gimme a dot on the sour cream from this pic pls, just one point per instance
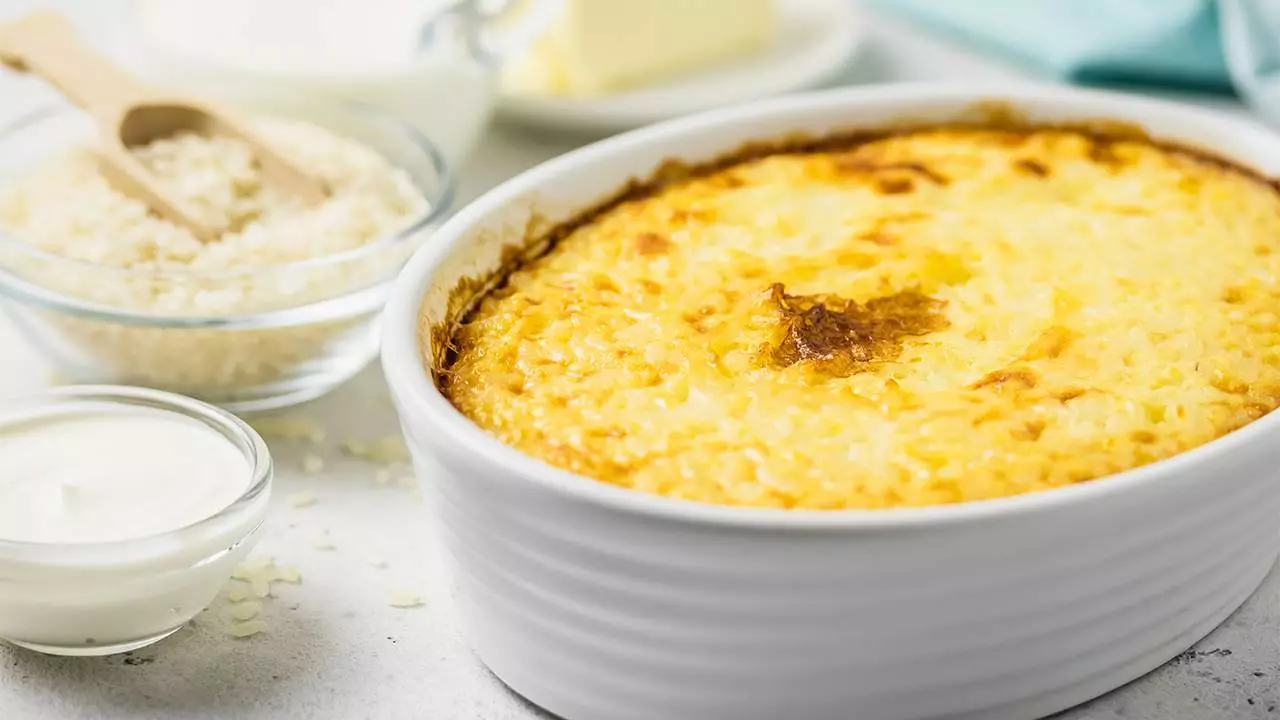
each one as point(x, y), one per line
point(122, 513)
point(113, 474)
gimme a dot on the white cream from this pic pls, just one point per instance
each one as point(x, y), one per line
point(100, 476)
point(353, 51)
point(122, 513)
point(348, 36)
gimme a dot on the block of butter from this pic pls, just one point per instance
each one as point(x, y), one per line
point(601, 46)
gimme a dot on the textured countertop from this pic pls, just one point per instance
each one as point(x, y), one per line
point(335, 648)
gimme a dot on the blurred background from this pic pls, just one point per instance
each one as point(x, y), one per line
point(1216, 53)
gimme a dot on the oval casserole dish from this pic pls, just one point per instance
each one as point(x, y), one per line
point(598, 602)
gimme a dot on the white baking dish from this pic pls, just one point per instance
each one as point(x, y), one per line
point(600, 603)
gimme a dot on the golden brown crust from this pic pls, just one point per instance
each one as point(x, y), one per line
point(991, 115)
point(840, 337)
point(917, 298)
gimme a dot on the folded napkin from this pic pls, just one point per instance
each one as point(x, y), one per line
point(1251, 43)
point(1168, 43)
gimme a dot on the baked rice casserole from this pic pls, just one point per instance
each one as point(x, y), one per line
point(909, 318)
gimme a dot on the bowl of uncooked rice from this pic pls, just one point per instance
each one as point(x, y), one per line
point(280, 308)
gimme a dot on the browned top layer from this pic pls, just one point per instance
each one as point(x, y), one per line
point(889, 319)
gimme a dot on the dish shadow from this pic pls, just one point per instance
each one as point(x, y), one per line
point(534, 711)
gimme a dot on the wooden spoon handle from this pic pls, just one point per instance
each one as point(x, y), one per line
point(45, 43)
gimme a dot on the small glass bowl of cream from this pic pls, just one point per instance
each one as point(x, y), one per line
point(123, 512)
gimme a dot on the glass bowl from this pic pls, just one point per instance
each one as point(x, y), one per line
point(108, 597)
point(300, 328)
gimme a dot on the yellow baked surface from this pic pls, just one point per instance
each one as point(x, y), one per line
point(932, 317)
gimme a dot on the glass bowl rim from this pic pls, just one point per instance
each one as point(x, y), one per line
point(233, 429)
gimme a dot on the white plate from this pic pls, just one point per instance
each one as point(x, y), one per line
point(816, 39)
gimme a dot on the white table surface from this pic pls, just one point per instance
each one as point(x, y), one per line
point(334, 648)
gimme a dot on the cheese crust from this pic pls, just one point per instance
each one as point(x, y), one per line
point(932, 316)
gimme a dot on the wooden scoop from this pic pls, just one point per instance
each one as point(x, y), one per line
point(130, 114)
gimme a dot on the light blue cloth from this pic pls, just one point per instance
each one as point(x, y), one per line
point(1251, 42)
point(1215, 45)
point(1212, 45)
point(1173, 43)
